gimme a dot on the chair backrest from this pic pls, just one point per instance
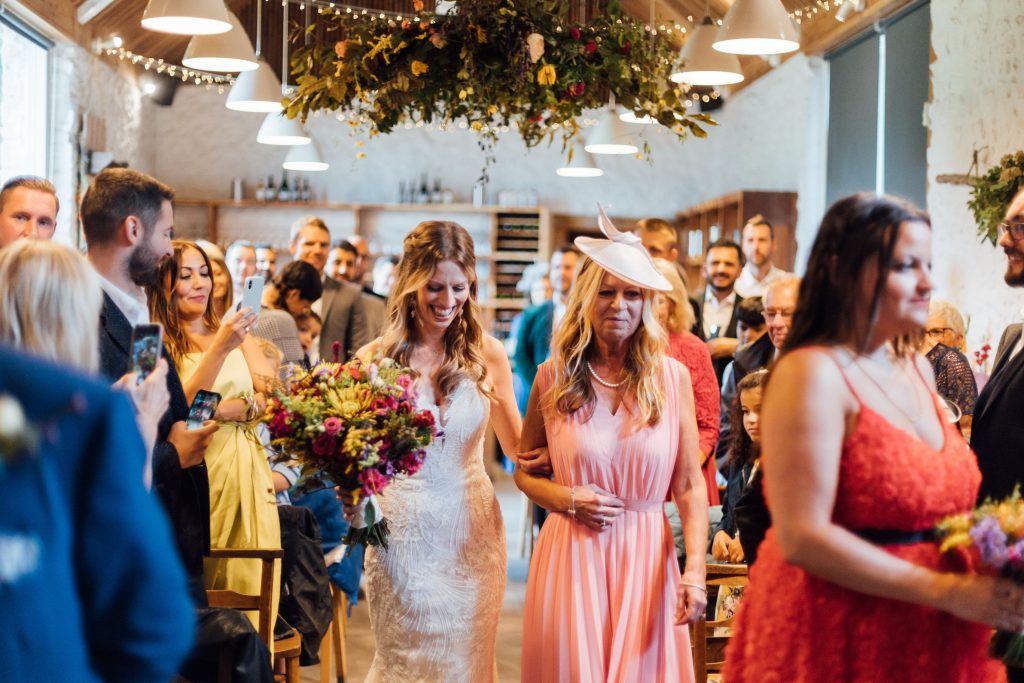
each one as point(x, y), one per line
point(241, 601)
point(703, 632)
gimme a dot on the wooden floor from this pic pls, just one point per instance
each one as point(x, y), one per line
point(359, 640)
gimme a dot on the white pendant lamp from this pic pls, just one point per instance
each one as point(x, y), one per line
point(704, 65)
point(757, 27)
point(611, 135)
point(582, 164)
point(186, 17)
point(225, 52)
point(304, 158)
point(627, 116)
point(278, 129)
point(257, 90)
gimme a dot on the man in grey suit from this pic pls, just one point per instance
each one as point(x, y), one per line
point(344, 265)
point(341, 307)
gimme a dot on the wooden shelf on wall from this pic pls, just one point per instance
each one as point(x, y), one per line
point(725, 216)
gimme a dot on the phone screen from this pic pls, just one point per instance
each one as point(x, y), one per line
point(147, 347)
point(203, 407)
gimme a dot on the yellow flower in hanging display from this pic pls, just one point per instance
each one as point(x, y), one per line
point(546, 75)
point(419, 68)
point(481, 36)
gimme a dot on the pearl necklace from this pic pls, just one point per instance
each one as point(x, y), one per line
point(610, 385)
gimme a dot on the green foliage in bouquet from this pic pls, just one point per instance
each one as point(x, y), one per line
point(494, 63)
point(992, 193)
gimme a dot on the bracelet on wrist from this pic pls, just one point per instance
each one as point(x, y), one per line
point(572, 502)
point(695, 585)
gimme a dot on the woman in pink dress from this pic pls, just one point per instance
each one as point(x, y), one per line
point(674, 313)
point(605, 600)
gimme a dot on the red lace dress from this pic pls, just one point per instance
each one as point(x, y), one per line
point(796, 628)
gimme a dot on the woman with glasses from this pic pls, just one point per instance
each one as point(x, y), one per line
point(954, 379)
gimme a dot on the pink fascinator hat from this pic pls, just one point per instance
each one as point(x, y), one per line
point(623, 255)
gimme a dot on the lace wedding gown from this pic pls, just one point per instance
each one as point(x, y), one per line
point(435, 594)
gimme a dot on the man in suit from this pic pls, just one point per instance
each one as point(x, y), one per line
point(343, 264)
point(341, 307)
point(716, 319)
point(28, 208)
point(997, 434)
point(92, 586)
point(128, 221)
point(779, 304)
point(758, 248)
point(533, 343)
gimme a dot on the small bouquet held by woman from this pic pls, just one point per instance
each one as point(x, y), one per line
point(994, 533)
point(357, 426)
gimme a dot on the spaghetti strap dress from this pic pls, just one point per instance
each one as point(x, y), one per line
point(793, 627)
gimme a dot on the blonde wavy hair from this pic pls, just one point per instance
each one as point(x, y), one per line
point(428, 244)
point(574, 342)
point(50, 301)
point(681, 318)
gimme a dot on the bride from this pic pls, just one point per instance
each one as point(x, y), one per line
point(435, 593)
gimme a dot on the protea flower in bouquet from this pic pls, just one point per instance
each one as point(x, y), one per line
point(356, 426)
point(993, 533)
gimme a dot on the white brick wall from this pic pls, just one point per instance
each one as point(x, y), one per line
point(977, 80)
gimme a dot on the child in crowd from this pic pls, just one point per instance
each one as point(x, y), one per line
point(309, 325)
point(743, 477)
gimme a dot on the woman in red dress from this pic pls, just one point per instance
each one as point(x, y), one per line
point(673, 310)
point(859, 465)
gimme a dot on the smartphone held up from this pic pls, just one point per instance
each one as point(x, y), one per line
point(147, 347)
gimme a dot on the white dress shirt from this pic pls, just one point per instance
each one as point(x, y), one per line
point(133, 304)
point(747, 284)
point(717, 313)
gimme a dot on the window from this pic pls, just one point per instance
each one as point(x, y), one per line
point(24, 110)
point(878, 86)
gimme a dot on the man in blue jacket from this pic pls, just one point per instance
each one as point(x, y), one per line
point(90, 581)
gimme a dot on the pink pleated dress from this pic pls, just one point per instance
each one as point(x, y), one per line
point(600, 605)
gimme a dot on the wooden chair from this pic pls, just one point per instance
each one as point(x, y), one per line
point(332, 647)
point(286, 650)
point(708, 648)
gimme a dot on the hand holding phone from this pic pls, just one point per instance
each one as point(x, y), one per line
point(204, 405)
point(147, 348)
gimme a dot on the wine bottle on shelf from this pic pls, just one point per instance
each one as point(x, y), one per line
point(435, 196)
point(423, 196)
point(261, 191)
point(270, 194)
point(306, 192)
point(401, 192)
point(284, 193)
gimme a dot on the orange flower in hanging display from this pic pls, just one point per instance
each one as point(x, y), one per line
point(546, 75)
point(340, 48)
point(417, 5)
point(419, 68)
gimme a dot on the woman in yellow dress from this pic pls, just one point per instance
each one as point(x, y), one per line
point(220, 356)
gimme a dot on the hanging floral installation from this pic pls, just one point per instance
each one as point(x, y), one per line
point(492, 63)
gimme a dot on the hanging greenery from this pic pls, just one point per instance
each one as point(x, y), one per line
point(992, 193)
point(493, 63)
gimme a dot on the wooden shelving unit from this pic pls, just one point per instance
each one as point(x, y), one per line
point(724, 217)
point(507, 238)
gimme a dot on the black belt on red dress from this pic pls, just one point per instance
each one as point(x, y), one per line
point(896, 536)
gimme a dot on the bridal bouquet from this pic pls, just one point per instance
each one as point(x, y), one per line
point(994, 531)
point(355, 425)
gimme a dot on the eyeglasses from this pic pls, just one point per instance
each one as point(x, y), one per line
point(938, 332)
point(785, 313)
point(1015, 228)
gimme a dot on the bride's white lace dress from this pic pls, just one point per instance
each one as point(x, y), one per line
point(435, 594)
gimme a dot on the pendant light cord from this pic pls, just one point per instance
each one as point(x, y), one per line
point(284, 49)
point(259, 28)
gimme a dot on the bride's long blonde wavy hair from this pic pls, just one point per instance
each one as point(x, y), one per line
point(574, 342)
point(428, 244)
